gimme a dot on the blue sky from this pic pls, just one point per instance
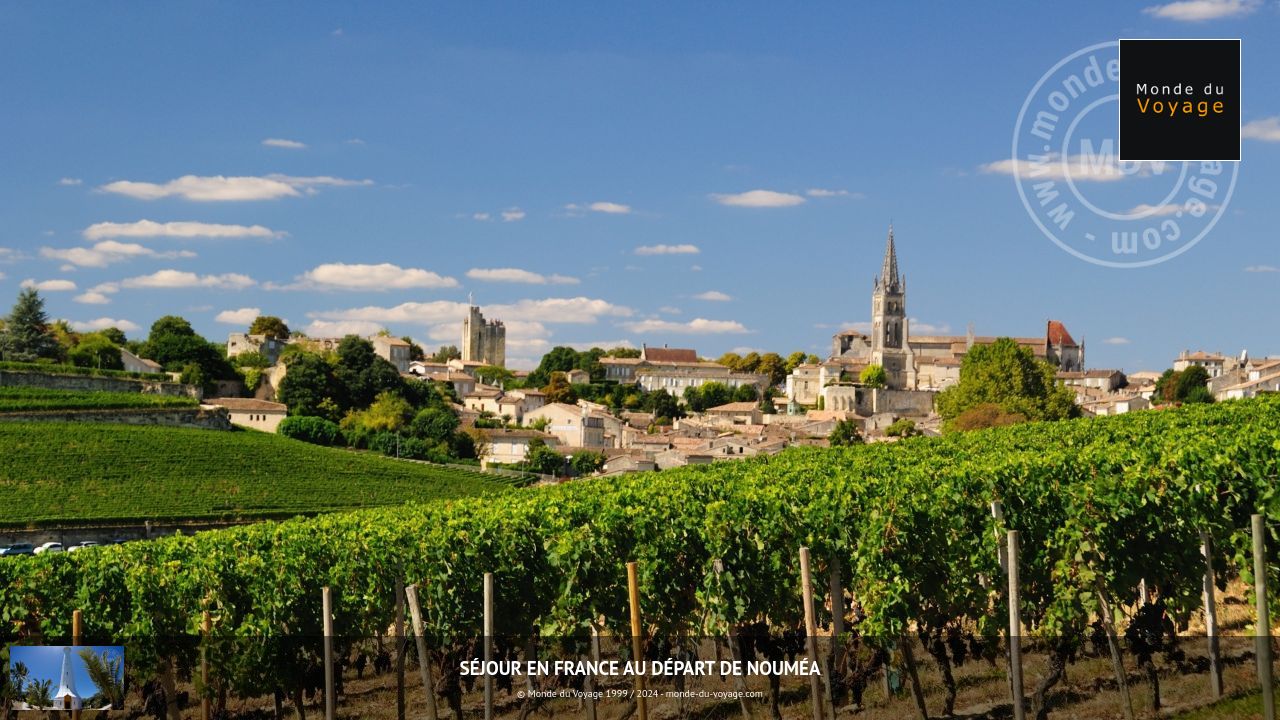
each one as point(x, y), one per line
point(45, 663)
point(353, 166)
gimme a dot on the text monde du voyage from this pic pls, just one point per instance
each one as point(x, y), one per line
point(1181, 99)
point(646, 668)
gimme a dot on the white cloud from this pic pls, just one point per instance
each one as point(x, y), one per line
point(92, 297)
point(758, 199)
point(825, 193)
point(575, 310)
point(107, 252)
point(713, 296)
point(1267, 129)
point(243, 316)
point(516, 275)
point(1262, 269)
point(354, 141)
point(603, 344)
point(1080, 168)
point(179, 279)
point(103, 323)
point(610, 207)
point(219, 188)
point(1116, 341)
point(481, 216)
point(384, 276)
point(512, 214)
point(49, 285)
point(1162, 210)
point(667, 250)
point(9, 255)
point(697, 326)
point(670, 310)
point(341, 328)
point(70, 181)
point(150, 228)
point(1197, 10)
point(2, 276)
point(283, 143)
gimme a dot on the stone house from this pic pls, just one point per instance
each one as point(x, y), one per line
point(257, 414)
point(393, 350)
point(510, 447)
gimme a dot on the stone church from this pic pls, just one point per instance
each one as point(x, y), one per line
point(913, 362)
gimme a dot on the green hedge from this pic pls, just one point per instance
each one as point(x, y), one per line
point(22, 399)
point(53, 369)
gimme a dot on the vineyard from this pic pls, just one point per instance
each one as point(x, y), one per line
point(25, 399)
point(69, 474)
point(1102, 506)
point(76, 370)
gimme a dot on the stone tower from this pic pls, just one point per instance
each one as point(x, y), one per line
point(483, 340)
point(889, 347)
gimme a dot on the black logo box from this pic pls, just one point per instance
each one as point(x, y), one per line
point(1186, 68)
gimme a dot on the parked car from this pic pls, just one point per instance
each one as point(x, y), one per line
point(82, 545)
point(51, 547)
point(18, 549)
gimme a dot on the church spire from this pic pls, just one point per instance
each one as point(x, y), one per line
point(889, 279)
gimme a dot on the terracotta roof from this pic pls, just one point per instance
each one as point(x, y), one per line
point(1201, 355)
point(734, 407)
point(247, 404)
point(663, 354)
point(506, 433)
point(1058, 334)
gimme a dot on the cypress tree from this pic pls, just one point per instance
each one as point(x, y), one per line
point(27, 337)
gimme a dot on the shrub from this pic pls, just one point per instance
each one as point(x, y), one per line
point(902, 428)
point(315, 430)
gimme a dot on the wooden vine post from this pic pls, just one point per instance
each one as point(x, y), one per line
point(77, 639)
point(739, 683)
point(1211, 616)
point(1263, 630)
point(424, 665)
point(488, 645)
point(1113, 643)
point(330, 699)
point(637, 640)
point(811, 632)
point(400, 649)
point(206, 628)
point(1015, 627)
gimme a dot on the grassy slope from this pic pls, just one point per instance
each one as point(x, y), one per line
point(24, 399)
point(65, 473)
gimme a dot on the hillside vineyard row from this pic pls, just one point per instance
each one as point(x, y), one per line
point(1101, 506)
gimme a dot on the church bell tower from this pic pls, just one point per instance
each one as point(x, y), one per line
point(889, 348)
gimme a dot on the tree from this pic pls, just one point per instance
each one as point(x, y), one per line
point(1010, 377)
point(709, 395)
point(902, 427)
point(986, 415)
point(766, 402)
point(107, 673)
point(586, 462)
point(445, 354)
point(415, 350)
point(175, 345)
point(774, 366)
point(795, 360)
point(311, 388)
point(542, 459)
point(363, 373)
point(873, 376)
point(664, 405)
point(745, 393)
point(434, 423)
point(558, 390)
point(314, 430)
point(845, 433)
point(27, 336)
point(269, 325)
point(65, 335)
point(388, 413)
point(251, 359)
point(493, 375)
point(115, 335)
point(40, 693)
point(96, 351)
point(560, 359)
point(1192, 385)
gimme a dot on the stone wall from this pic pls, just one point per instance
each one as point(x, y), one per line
point(103, 533)
point(204, 417)
point(902, 402)
point(89, 383)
